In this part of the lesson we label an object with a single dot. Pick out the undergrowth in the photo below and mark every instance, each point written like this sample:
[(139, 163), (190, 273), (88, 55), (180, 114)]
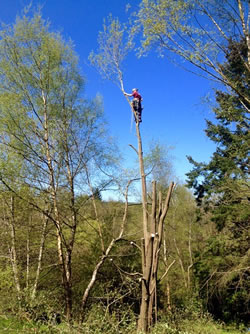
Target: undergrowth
[(99, 322)]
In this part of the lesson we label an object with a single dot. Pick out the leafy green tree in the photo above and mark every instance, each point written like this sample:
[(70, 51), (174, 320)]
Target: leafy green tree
[(222, 188), (23, 232), (181, 233), (196, 31), (48, 132)]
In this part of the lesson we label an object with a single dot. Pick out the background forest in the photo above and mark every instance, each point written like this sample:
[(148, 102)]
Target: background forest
[(72, 262)]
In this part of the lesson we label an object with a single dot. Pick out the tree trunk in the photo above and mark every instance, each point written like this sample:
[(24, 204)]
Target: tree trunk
[(168, 296), (40, 256), (181, 264), (27, 260), (106, 253), (151, 241), (65, 264), (93, 278), (13, 254), (150, 247)]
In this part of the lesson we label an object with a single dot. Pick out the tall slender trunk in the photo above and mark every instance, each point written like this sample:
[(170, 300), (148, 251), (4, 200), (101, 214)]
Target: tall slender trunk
[(152, 236), (61, 258), (190, 253), (105, 255), (181, 264), (70, 245), (96, 211), (151, 245), (93, 277), (27, 260), (168, 296), (143, 184), (13, 253), (245, 28), (40, 257)]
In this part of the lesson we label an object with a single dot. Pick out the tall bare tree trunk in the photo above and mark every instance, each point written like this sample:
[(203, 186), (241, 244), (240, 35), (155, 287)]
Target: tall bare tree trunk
[(93, 277), (40, 257), (181, 264), (65, 269), (168, 296), (107, 251), (190, 254), (245, 28), (27, 260), (13, 254), (151, 245)]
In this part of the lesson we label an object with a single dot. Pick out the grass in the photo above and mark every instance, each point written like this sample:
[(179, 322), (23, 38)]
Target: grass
[(12, 325)]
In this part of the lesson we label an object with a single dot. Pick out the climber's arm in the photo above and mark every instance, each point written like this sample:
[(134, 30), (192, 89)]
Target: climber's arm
[(126, 94)]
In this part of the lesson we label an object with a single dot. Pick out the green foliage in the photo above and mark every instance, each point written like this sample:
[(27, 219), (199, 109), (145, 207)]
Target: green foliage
[(14, 325), (40, 104), (160, 20), (222, 188), (101, 323), (196, 31), (114, 45), (8, 298), (158, 166), (181, 241), (99, 320), (52, 142)]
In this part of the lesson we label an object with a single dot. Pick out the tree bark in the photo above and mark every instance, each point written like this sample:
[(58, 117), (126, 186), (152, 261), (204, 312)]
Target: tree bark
[(151, 246), (65, 263), (40, 257), (27, 260), (13, 254)]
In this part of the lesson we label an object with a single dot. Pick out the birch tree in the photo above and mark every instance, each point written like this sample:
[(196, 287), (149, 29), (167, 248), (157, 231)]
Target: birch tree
[(48, 131), (21, 229), (198, 32)]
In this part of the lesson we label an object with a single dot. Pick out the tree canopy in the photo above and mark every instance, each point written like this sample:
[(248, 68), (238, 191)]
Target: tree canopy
[(197, 31)]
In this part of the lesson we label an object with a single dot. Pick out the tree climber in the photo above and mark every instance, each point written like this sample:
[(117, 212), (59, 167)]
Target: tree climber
[(136, 103)]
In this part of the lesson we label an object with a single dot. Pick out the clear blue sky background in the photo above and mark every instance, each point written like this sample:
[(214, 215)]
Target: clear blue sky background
[(173, 110)]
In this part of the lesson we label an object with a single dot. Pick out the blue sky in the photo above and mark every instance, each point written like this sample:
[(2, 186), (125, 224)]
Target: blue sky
[(173, 111)]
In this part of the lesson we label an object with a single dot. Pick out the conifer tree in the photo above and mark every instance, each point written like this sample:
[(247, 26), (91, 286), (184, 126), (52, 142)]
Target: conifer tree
[(222, 188)]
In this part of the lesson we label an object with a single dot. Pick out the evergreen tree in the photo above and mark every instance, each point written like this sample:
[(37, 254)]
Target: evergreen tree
[(222, 189)]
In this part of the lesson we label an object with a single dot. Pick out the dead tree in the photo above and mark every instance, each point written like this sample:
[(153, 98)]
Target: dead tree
[(151, 242)]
